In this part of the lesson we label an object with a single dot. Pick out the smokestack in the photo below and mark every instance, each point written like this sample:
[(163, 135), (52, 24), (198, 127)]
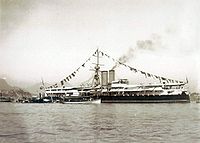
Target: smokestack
[(104, 78), (111, 75)]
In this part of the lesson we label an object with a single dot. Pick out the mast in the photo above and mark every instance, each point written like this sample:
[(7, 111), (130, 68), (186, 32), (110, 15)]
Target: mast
[(97, 69)]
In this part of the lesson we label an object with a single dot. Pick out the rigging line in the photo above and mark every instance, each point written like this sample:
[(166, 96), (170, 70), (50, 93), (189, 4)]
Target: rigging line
[(70, 75), (88, 80), (142, 72)]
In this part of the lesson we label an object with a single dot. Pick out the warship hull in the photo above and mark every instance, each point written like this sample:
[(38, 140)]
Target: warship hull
[(183, 98)]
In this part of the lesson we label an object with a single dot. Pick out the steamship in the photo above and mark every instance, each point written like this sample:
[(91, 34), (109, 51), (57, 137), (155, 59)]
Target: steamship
[(109, 90)]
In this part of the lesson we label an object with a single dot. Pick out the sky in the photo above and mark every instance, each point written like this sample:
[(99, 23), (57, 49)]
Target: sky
[(51, 38)]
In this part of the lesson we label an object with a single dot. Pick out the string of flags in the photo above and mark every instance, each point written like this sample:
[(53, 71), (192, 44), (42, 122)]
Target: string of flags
[(146, 74), (73, 74)]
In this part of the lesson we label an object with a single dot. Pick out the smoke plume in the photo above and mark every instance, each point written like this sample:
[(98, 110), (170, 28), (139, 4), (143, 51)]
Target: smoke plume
[(151, 45), (125, 58)]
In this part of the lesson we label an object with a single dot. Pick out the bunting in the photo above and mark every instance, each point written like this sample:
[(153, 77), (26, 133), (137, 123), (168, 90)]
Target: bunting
[(73, 74), (146, 74), (142, 72), (62, 83), (78, 69)]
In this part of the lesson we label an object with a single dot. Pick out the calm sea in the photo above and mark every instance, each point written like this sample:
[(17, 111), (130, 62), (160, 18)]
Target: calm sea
[(62, 123)]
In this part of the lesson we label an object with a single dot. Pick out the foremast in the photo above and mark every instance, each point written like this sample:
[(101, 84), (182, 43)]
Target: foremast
[(97, 70)]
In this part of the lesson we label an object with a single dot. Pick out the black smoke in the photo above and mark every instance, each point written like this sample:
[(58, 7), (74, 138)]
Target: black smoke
[(151, 45)]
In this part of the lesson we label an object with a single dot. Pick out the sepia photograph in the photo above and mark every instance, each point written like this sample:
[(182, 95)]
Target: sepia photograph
[(99, 71)]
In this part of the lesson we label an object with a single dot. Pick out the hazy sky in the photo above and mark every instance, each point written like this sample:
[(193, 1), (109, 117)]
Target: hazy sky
[(51, 38)]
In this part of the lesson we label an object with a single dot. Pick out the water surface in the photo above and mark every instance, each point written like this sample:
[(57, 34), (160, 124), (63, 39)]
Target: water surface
[(61, 123)]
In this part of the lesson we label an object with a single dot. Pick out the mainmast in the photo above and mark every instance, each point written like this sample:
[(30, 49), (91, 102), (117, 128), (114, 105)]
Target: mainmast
[(97, 69)]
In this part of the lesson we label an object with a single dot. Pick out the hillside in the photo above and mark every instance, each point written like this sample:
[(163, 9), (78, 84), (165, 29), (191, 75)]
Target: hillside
[(8, 90), (4, 85)]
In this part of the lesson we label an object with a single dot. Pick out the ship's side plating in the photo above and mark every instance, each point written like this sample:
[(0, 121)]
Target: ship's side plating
[(183, 98), (134, 97)]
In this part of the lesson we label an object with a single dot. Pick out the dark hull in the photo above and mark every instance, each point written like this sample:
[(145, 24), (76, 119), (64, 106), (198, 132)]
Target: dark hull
[(183, 98)]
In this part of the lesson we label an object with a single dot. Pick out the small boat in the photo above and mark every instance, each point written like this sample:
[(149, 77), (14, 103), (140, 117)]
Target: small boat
[(81, 100)]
